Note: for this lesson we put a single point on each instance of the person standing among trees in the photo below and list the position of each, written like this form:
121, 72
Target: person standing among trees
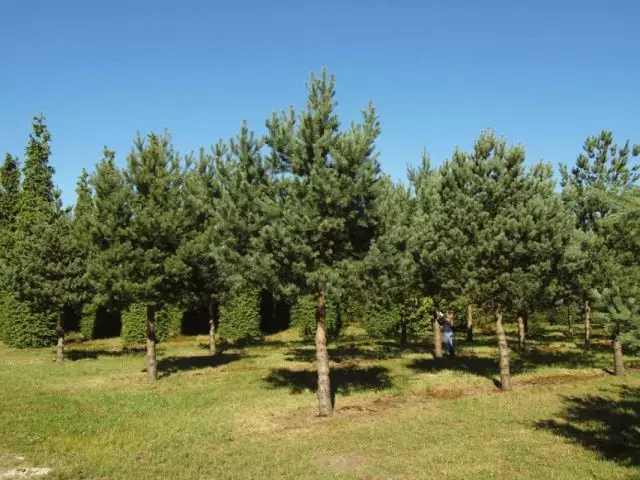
447, 325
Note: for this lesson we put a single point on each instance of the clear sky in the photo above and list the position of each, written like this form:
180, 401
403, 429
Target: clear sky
543, 73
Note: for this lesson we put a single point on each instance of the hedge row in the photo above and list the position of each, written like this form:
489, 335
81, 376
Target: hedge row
168, 322
303, 316
240, 317
22, 328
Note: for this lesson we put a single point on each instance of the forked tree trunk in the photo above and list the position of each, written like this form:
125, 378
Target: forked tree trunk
587, 322
503, 348
322, 357
437, 338
618, 360
152, 363
60, 344
212, 328
521, 333
469, 324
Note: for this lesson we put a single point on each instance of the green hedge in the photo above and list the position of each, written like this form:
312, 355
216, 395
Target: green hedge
240, 317
383, 321
134, 323
22, 328
303, 316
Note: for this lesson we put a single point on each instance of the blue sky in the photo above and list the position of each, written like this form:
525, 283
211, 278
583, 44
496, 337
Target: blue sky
542, 73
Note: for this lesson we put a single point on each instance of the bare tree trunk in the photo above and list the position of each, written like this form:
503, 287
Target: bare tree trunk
437, 338
322, 357
618, 361
521, 333
503, 348
403, 330
570, 325
212, 328
469, 323
152, 363
60, 334
587, 322
525, 317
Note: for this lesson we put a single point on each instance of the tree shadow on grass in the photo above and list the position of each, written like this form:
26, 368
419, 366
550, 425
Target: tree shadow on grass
609, 426
75, 355
529, 359
342, 353
481, 366
170, 365
345, 380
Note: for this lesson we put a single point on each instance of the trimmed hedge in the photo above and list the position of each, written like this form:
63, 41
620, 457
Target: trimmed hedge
22, 328
134, 323
303, 316
240, 317
383, 321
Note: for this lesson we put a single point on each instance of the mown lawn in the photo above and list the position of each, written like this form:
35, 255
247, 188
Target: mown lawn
250, 413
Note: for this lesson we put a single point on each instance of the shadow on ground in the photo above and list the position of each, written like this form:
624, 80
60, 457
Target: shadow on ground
344, 380
170, 365
75, 355
361, 351
609, 425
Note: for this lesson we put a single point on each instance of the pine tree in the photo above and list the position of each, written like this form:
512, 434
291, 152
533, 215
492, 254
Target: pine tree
152, 238
602, 167
522, 231
44, 269
330, 181
391, 273
197, 258
9, 195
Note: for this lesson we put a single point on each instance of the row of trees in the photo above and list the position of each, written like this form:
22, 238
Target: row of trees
305, 213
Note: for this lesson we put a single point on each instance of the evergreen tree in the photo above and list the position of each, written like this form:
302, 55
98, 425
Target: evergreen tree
330, 181
392, 278
44, 269
521, 232
154, 179
602, 167
197, 258
9, 195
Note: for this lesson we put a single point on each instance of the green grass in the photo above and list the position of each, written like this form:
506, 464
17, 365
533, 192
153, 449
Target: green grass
251, 412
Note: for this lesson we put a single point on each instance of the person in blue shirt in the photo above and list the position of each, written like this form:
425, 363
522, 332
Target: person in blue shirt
447, 325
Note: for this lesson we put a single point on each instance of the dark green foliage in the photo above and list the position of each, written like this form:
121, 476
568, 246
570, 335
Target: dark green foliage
9, 195
45, 270
23, 328
383, 321
100, 322
240, 317
134, 323
303, 317
275, 313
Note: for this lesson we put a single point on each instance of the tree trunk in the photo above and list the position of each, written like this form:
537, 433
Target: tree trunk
152, 363
618, 361
322, 357
587, 322
437, 338
525, 318
521, 332
60, 334
469, 324
570, 325
403, 330
503, 348
212, 328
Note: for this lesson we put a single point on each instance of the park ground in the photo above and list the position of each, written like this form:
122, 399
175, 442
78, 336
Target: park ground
250, 412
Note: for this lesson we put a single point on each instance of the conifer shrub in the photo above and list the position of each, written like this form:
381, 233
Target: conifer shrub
240, 317
303, 317
382, 321
100, 321
134, 323
22, 328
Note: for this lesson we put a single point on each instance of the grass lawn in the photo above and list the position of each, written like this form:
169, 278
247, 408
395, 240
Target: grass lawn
250, 413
